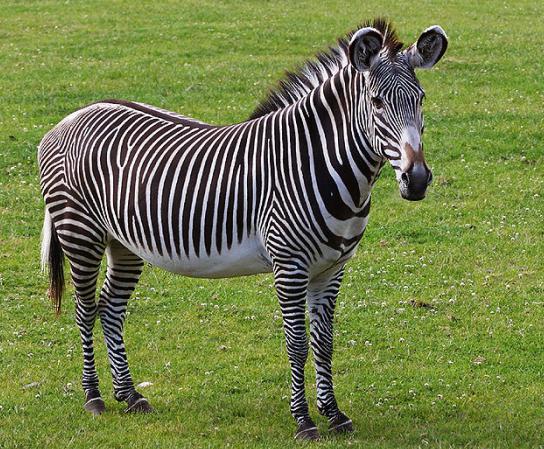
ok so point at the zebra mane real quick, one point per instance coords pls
(297, 84)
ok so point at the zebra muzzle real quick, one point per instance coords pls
(413, 183)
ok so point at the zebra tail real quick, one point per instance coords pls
(52, 257)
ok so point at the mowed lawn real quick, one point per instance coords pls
(440, 323)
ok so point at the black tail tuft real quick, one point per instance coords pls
(56, 270)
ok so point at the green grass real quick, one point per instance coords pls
(467, 373)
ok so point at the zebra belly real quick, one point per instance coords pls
(246, 258)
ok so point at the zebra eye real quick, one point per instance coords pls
(377, 102)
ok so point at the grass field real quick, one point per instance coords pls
(468, 372)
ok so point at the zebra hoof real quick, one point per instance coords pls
(340, 424)
(307, 431)
(96, 406)
(140, 405)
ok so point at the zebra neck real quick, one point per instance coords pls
(337, 146)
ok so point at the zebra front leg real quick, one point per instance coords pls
(322, 295)
(291, 283)
(84, 267)
(123, 273)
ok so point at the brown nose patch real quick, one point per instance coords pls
(412, 156)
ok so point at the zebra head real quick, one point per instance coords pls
(392, 100)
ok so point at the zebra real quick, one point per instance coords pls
(287, 191)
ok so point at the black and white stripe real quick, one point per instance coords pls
(287, 191)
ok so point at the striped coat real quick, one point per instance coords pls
(287, 191)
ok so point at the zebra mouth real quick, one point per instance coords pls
(414, 182)
(411, 189)
(412, 196)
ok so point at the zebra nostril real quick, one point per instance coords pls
(404, 177)
(430, 178)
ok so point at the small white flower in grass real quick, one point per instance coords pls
(368, 343)
(352, 342)
(144, 384)
(68, 389)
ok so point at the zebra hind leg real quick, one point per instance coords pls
(321, 301)
(84, 267)
(123, 273)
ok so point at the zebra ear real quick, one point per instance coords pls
(364, 47)
(428, 49)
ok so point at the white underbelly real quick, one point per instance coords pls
(245, 258)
